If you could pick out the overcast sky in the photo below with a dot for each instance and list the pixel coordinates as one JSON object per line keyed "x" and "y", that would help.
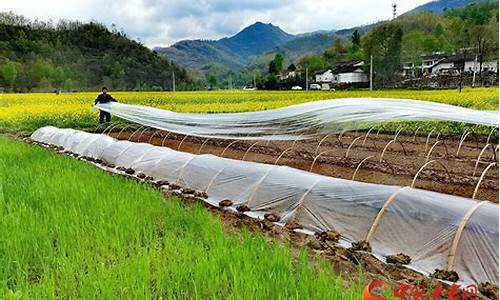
{"x": 163, "y": 22}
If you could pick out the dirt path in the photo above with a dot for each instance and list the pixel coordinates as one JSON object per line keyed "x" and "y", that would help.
{"x": 339, "y": 155}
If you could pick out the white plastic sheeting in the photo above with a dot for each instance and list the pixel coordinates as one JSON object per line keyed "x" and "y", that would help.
{"x": 299, "y": 121}
{"x": 419, "y": 223}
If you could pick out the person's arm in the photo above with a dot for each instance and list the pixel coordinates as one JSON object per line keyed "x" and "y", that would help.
{"x": 112, "y": 99}
{"x": 97, "y": 99}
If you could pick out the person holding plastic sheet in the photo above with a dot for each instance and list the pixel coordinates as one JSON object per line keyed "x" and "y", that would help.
{"x": 104, "y": 97}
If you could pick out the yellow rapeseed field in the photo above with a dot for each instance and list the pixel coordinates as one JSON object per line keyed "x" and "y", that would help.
{"x": 26, "y": 112}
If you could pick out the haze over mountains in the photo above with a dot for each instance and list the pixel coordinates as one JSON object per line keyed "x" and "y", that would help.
{"x": 259, "y": 39}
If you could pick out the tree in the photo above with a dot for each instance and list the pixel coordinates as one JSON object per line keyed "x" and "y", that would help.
{"x": 276, "y": 65}
{"x": 356, "y": 38}
{"x": 338, "y": 52}
{"x": 313, "y": 63}
{"x": 8, "y": 71}
{"x": 212, "y": 81}
{"x": 384, "y": 44}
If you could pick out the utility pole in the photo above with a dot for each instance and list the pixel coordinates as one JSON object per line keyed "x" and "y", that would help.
{"x": 371, "y": 72}
{"x": 307, "y": 78}
{"x": 254, "y": 82}
{"x": 230, "y": 82}
{"x": 173, "y": 81}
{"x": 474, "y": 73}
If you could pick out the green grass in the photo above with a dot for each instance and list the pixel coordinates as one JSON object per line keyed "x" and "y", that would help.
{"x": 70, "y": 230}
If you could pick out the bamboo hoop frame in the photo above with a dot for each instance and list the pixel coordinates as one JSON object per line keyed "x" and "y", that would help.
{"x": 481, "y": 179}
{"x": 209, "y": 185}
{"x": 119, "y": 134}
{"x": 381, "y": 213}
{"x": 359, "y": 165}
{"x": 321, "y": 142}
{"x": 349, "y": 148}
{"x": 203, "y": 144}
{"x": 151, "y": 137}
{"x": 182, "y": 141}
{"x": 386, "y": 147}
{"x": 367, "y": 134}
{"x": 282, "y": 153}
{"x": 462, "y": 139}
{"x": 430, "y": 150}
{"x": 163, "y": 141}
{"x": 458, "y": 235}
{"x": 423, "y": 167}
{"x": 130, "y": 137}
{"x": 142, "y": 132}
{"x": 248, "y": 149}
{"x": 428, "y": 138}
{"x": 415, "y": 134}
{"x": 257, "y": 185}
{"x": 227, "y": 147}
{"x": 479, "y": 158}
{"x": 317, "y": 156}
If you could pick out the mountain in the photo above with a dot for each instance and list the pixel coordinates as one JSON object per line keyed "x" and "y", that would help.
{"x": 231, "y": 52}
{"x": 255, "y": 44}
{"x": 256, "y": 39}
{"x": 440, "y": 6}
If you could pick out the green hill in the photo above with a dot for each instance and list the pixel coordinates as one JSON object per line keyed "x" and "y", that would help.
{"x": 39, "y": 56}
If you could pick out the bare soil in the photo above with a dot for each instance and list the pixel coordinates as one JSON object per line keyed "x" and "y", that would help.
{"x": 338, "y": 155}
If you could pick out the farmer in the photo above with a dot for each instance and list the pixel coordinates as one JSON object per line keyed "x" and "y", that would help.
{"x": 104, "y": 97}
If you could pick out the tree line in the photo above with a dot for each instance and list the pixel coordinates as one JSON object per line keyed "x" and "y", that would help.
{"x": 78, "y": 56}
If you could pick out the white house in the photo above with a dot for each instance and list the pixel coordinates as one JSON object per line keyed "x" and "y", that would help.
{"x": 452, "y": 65}
{"x": 441, "y": 64}
{"x": 350, "y": 72}
{"x": 428, "y": 62}
{"x": 344, "y": 72}
{"x": 324, "y": 77}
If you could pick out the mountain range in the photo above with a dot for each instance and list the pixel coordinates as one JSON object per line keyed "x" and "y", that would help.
{"x": 259, "y": 39}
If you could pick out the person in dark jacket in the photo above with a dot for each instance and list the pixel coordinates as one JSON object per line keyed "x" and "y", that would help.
{"x": 104, "y": 97}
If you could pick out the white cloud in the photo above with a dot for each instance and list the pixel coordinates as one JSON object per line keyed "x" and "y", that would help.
{"x": 163, "y": 22}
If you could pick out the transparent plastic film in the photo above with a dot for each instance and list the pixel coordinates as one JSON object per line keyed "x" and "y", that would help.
{"x": 299, "y": 121}
{"x": 394, "y": 219}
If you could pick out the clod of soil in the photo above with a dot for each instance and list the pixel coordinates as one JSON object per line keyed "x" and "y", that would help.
{"x": 225, "y": 203}
{"x": 188, "y": 191}
{"x": 445, "y": 275}
{"x": 242, "y": 208}
{"x": 201, "y": 195}
{"x": 361, "y": 246}
{"x": 141, "y": 175}
{"x": 149, "y": 178}
{"x": 293, "y": 225}
{"x": 129, "y": 171}
{"x": 315, "y": 244}
{"x": 175, "y": 186}
{"x": 400, "y": 258}
{"x": 489, "y": 290}
{"x": 120, "y": 168}
{"x": 329, "y": 235}
{"x": 98, "y": 161}
{"x": 272, "y": 217}
{"x": 161, "y": 183}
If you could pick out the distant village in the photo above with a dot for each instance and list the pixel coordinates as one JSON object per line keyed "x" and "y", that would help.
{"x": 434, "y": 71}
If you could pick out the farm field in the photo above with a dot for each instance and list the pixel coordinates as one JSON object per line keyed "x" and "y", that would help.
{"x": 81, "y": 233}
{"x": 27, "y": 112}
{"x": 177, "y": 244}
